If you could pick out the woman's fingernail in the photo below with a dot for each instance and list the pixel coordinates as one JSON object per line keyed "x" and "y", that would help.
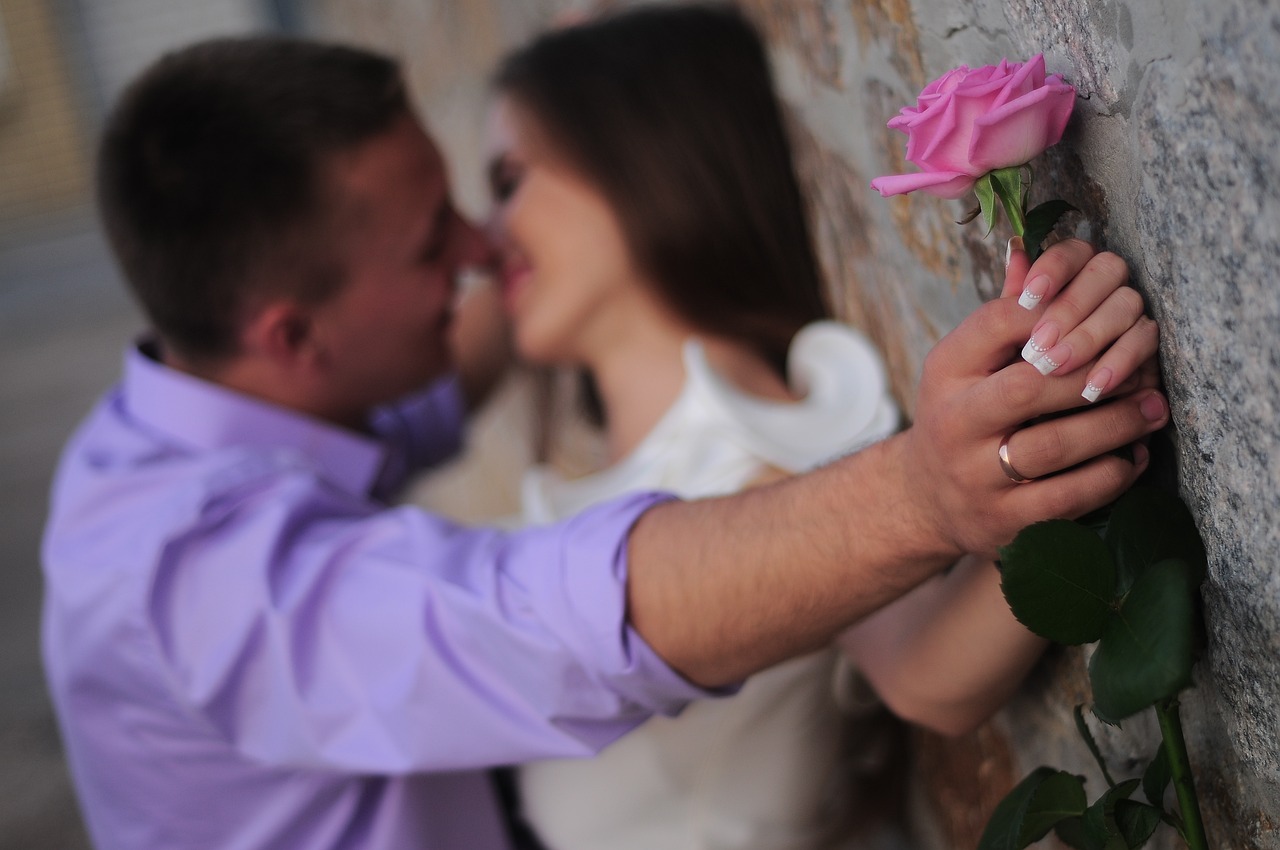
{"x": 1036, "y": 289}
{"x": 1052, "y": 359}
{"x": 1153, "y": 407}
{"x": 1096, "y": 385}
{"x": 1042, "y": 339}
{"x": 1015, "y": 244}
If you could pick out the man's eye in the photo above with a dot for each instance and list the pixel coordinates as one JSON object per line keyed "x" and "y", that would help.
{"x": 434, "y": 251}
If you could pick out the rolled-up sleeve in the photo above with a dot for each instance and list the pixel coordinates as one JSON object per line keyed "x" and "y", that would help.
{"x": 396, "y": 641}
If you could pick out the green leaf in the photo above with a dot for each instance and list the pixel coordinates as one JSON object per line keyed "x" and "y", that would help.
{"x": 1071, "y": 833}
{"x": 1059, "y": 581}
{"x": 1008, "y": 188}
{"x": 1101, "y": 831}
{"x": 986, "y": 201}
{"x": 1041, "y": 800}
{"x": 1092, "y": 745}
{"x": 1040, "y": 223}
{"x": 1157, "y": 777}
{"x": 1145, "y": 655}
{"x": 1149, "y": 525}
{"x": 1136, "y": 822}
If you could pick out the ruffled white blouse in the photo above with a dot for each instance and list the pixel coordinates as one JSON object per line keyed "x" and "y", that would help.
{"x": 752, "y": 771}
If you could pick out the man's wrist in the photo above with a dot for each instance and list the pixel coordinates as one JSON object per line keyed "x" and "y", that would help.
{"x": 918, "y": 521}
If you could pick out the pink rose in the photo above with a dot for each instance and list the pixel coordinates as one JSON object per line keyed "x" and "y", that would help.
{"x": 969, "y": 122}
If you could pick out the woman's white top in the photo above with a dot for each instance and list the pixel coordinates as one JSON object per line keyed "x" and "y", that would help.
{"x": 751, "y": 771}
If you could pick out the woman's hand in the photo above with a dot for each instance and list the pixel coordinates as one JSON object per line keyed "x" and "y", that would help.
{"x": 1096, "y": 320}
{"x": 990, "y": 461}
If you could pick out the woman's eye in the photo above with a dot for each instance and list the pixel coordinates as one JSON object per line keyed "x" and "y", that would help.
{"x": 504, "y": 179}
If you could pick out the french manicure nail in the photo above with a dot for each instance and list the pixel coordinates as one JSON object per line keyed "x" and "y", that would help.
{"x": 1036, "y": 289}
{"x": 1042, "y": 339}
{"x": 1015, "y": 244}
{"x": 1052, "y": 359}
{"x": 1096, "y": 385}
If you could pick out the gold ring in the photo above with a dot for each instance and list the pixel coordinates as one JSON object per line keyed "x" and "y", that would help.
{"x": 1014, "y": 475}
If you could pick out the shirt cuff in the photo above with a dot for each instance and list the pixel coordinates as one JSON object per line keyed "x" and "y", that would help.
{"x": 425, "y": 429}
{"x": 595, "y": 615}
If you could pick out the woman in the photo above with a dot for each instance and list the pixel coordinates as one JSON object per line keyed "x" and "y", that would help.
{"x": 653, "y": 233}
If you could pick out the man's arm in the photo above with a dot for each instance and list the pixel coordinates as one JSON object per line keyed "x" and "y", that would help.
{"x": 726, "y": 587}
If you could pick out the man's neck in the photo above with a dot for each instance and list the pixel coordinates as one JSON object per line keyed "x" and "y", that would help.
{"x": 253, "y": 378}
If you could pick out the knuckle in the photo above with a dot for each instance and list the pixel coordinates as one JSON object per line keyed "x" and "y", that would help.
{"x": 1069, "y": 253}
{"x": 1130, "y": 302}
{"x": 1070, "y": 304}
{"x": 1048, "y": 450}
{"x": 934, "y": 363}
{"x": 992, "y": 318}
{"x": 1018, "y": 389}
{"x": 1079, "y": 246}
{"x": 1114, "y": 474}
{"x": 1109, "y": 265}
{"x": 1085, "y": 339}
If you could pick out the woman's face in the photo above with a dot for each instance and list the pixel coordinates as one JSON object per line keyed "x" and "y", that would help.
{"x": 568, "y": 279}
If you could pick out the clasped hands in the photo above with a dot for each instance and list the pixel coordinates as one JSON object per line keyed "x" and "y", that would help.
{"x": 981, "y": 401}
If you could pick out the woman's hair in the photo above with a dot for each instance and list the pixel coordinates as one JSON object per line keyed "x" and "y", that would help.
{"x": 670, "y": 111}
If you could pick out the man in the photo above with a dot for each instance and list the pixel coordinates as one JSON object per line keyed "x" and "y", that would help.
{"x": 247, "y": 648}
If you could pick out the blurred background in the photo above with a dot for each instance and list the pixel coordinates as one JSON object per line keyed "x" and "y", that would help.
{"x": 1171, "y": 156}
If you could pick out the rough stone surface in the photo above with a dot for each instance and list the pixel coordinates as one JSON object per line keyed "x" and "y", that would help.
{"x": 1172, "y": 158}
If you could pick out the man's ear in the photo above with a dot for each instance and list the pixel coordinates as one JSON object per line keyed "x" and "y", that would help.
{"x": 283, "y": 333}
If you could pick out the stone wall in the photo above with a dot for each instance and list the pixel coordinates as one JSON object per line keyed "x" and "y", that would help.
{"x": 1173, "y": 159}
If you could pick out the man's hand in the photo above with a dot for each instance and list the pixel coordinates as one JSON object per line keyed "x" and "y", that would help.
{"x": 977, "y": 391}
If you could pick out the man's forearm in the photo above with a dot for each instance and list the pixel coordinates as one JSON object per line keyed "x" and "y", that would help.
{"x": 722, "y": 588}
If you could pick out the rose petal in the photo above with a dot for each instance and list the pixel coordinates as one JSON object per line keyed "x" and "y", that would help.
{"x": 983, "y": 88}
{"x": 1019, "y": 131}
{"x": 930, "y": 129}
{"x": 944, "y": 184}
{"x": 945, "y": 145}
{"x": 946, "y": 82}
{"x": 1025, "y": 79}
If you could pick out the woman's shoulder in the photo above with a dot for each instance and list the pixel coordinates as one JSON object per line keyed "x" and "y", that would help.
{"x": 843, "y": 399}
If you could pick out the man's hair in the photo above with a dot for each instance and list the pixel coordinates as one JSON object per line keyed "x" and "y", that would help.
{"x": 211, "y": 177}
{"x": 670, "y": 111}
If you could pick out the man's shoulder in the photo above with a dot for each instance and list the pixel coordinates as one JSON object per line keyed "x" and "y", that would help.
{"x": 120, "y": 487}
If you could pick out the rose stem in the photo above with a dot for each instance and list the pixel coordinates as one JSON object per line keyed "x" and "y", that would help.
{"x": 1175, "y": 747}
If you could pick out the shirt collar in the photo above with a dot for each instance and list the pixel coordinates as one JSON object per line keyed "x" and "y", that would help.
{"x": 205, "y": 416}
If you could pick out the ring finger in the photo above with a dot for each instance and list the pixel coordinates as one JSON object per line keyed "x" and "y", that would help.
{"x": 1057, "y": 444}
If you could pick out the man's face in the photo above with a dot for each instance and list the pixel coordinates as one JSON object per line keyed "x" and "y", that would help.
{"x": 402, "y": 244}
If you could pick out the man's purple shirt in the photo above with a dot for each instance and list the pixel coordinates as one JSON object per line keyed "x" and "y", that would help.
{"x": 249, "y": 649}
